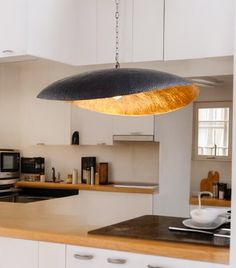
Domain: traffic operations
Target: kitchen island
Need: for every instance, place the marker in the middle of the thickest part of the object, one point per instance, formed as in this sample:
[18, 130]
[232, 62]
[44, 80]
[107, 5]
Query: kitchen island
[62, 221]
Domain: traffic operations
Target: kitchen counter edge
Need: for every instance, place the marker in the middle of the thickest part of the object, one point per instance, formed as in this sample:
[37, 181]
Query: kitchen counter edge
[104, 188]
[210, 202]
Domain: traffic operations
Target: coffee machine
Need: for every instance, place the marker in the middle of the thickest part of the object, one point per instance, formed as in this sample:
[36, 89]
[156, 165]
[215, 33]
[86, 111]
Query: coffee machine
[88, 169]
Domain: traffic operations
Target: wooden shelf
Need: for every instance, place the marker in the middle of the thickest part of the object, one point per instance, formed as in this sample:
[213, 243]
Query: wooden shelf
[105, 188]
[210, 202]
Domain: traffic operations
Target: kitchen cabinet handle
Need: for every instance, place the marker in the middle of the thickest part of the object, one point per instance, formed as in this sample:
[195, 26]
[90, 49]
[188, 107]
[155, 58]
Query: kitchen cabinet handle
[153, 266]
[7, 51]
[116, 261]
[83, 256]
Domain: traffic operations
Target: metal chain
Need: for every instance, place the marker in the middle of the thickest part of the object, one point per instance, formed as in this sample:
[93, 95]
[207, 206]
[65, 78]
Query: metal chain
[117, 15]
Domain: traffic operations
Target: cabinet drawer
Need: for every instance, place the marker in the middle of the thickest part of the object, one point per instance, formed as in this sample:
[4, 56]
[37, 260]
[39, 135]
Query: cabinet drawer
[91, 257]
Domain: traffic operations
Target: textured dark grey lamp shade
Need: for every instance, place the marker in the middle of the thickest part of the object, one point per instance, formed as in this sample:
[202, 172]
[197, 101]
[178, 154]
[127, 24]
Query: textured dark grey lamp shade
[125, 91]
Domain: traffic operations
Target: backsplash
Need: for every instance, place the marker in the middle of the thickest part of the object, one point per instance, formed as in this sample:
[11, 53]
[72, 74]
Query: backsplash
[128, 162]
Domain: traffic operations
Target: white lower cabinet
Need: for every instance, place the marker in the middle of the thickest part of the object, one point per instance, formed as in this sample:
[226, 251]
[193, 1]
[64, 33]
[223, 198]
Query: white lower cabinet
[33, 254]
[18, 253]
[51, 255]
[77, 257]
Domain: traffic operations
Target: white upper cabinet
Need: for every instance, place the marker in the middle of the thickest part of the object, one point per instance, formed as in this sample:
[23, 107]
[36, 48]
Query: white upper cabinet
[137, 125]
[48, 123]
[148, 30]
[198, 28]
[83, 32]
[98, 129]
[42, 121]
[94, 128]
[63, 30]
[106, 31]
[13, 28]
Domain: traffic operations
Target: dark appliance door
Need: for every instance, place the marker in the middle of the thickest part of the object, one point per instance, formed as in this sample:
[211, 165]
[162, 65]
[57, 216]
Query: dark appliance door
[10, 162]
[32, 165]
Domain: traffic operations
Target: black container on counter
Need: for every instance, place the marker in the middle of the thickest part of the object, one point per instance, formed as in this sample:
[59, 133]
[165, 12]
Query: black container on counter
[88, 167]
[222, 190]
[228, 194]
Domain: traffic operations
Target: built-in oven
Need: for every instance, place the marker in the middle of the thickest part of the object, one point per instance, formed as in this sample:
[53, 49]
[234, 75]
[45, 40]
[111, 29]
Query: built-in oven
[9, 167]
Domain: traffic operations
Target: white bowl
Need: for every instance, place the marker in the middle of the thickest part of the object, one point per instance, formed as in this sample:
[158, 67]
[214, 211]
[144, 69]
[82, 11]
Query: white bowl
[205, 215]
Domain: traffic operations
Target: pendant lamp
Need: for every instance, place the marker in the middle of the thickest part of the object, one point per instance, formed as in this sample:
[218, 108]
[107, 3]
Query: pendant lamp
[123, 91]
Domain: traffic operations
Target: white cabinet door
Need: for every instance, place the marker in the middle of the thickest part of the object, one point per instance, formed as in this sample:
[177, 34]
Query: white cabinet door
[106, 30]
[52, 255]
[198, 28]
[18, 253]
[94, 128]
[148, 21]
[13, 27]
[141, 125]
[63, 30]
[98, 129]
[49, 122]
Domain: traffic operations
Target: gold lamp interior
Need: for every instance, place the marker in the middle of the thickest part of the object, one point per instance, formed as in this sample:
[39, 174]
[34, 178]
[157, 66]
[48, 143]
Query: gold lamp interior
[144, 103]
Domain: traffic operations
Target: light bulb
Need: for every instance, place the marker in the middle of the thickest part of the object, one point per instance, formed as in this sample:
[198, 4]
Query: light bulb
[117, 97]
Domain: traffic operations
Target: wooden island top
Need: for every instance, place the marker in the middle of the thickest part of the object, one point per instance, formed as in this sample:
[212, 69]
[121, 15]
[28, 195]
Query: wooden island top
[60, 221]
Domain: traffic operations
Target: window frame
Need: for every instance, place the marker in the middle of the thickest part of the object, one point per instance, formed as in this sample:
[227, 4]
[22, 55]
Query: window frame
[210, 104]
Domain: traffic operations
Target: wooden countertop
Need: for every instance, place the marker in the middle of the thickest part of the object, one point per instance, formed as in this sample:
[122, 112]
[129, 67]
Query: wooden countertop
[59, 221]
[206, 201]
[106, 188]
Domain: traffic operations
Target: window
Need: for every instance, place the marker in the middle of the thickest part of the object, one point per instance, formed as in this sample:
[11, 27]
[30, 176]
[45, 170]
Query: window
[212, 130]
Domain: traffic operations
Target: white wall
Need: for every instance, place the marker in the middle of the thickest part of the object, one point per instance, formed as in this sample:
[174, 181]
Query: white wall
[200, 168]
[174, 133]
[9, 107]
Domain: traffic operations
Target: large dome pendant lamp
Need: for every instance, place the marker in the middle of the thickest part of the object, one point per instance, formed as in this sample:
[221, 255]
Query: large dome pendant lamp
[123, 91]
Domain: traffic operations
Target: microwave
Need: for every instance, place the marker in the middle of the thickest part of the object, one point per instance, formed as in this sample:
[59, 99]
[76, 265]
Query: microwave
[9, 164]
[32, 165]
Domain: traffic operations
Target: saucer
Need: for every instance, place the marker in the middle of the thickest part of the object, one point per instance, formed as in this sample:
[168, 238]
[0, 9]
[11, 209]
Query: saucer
[215, 224]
